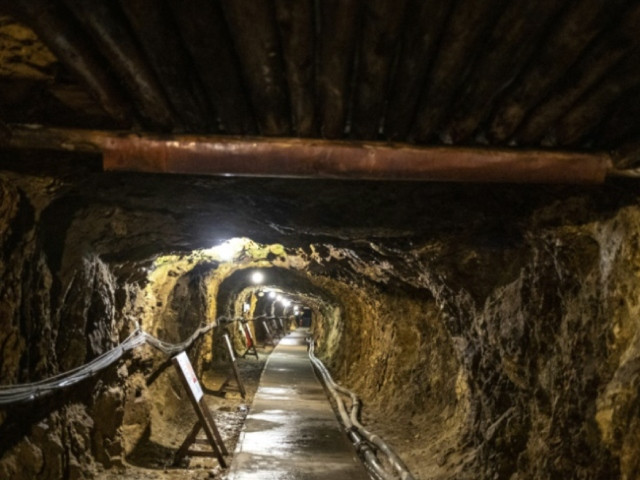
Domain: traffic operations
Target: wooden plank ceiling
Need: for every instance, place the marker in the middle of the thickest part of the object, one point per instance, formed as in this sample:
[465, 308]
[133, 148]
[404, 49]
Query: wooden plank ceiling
[510, 73]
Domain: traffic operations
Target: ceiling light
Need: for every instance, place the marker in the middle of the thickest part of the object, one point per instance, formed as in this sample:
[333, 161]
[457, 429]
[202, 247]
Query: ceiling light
[228, 250]
[257, 277]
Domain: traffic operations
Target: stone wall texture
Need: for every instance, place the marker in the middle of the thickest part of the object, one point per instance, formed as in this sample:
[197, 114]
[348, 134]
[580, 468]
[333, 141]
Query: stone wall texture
[492, 332]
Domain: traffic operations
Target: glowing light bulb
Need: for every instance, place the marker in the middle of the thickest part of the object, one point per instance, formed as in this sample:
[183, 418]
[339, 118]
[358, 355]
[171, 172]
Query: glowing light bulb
[286, 302]
[226, 252]
[257, 277]
[272, 294]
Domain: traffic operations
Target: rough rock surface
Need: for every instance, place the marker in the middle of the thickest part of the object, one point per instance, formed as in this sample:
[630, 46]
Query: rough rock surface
[492, 331]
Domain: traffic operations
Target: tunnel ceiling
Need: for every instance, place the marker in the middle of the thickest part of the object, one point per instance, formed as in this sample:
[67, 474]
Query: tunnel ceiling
[131, 216]
[516, 73]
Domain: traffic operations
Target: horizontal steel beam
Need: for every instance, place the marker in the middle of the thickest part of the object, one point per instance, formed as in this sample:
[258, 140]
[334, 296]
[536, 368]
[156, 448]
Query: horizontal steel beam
[311, 158]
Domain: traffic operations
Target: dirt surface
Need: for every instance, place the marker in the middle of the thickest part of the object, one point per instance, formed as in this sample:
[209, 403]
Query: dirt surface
[153, 456]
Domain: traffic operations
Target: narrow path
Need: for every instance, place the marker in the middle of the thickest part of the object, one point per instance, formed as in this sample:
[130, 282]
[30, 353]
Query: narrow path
[291, 432]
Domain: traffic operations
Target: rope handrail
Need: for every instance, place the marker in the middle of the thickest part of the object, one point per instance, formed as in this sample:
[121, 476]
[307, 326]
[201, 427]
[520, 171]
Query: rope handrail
[26, 392]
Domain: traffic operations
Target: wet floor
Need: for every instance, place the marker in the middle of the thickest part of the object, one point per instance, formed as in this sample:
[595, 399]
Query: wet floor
[291, 432]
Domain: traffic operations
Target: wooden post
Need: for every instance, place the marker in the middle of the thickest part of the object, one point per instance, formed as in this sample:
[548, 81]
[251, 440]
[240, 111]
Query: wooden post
[269, 339]
[276, 328]
[234, 373]
[205, 419]
[251, 343]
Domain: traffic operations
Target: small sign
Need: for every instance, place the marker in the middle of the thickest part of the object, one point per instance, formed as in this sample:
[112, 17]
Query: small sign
[189, 375]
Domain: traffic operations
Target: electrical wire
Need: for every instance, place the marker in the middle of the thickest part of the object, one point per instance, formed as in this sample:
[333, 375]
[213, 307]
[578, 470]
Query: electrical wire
[26, 392]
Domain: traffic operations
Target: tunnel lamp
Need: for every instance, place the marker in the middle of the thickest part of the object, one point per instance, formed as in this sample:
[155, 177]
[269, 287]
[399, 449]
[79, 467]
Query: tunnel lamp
[228, 250]
[272, 294]
[257, 277]
[286, 302]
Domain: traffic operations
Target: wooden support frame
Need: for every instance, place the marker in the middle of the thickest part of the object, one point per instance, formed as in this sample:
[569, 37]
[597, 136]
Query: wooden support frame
[205, 419]
[234, 373]
[251, 342]
[275, 328]
[269, 340]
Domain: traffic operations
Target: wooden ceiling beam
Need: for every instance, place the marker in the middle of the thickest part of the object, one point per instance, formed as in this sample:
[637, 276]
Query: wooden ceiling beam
[305, 158]
[579, 25]
[55, 27]
[381, 22]
[204, 30]
[255, 35]
[506, 51]
[108, 28]
[424, 22]
[337, 46]
[468, 26]
[297, 25]
[592, 68]
[586, 114]
[5, 131]
[155, 30]
[621, 126]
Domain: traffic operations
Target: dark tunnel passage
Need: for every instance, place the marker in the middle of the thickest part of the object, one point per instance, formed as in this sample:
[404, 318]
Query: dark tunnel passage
[491, 332]
[445, 191]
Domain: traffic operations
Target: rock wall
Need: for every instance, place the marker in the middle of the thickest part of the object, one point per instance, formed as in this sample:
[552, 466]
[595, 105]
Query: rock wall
[57, 313]
[492, 333]
[514, 356]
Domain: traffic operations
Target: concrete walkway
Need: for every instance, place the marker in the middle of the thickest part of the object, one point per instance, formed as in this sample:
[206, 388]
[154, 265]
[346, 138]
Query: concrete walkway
[291, 432]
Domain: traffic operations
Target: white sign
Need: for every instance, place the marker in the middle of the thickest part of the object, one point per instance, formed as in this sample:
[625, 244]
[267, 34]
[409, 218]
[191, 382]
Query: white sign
[229, 347]
[190, 375]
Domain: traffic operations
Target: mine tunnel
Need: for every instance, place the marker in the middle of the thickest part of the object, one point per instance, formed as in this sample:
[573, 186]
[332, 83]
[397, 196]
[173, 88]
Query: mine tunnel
[210, 206]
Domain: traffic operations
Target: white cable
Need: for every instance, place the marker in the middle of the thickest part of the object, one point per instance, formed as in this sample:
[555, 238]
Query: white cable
[352, 424]
[25, 392]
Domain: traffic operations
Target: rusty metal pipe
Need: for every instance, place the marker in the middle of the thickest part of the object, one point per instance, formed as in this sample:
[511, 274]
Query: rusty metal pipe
[306, 158]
